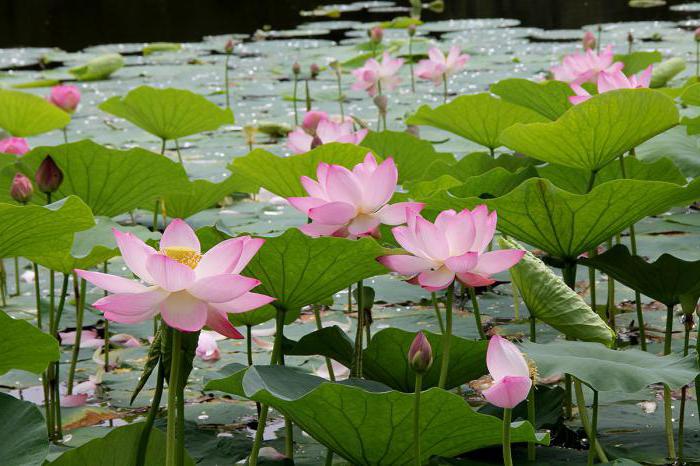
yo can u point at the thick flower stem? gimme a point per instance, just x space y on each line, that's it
57 402
477 313
416 419
308 95
152 413
257 442
294 99
532 419
174 392
226 86
668 423
436 306
249 343
79 292
37 295
507 458
446 336
106 347
319 326
594 429
684 393
569 275
444 88
533 329
357 354
583 415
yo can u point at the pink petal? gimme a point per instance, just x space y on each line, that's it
299 141
315 229
169 274
381 185
217 321
333 213
179 234
304 204
644 78
313 118
498 261
312 187
463 263
405 264
131 303
474 280
222 258
341 186
111 283
221 288
184 312
207 349
508 392
246 302
251 246
434 280
458 230
395 214
134 253
126 340
73 401
436 55
577 99
484 227
432 239
504 359
363 224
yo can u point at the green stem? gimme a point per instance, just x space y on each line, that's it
37 294
516 300
594 429
444 88
569 275
249 343
319 326
171 453
17 289
531 447
697 58
228 99
507 458
177 150
65 134
329 457
57 401
640 320
684 391
155 215
357 353
410 64
446 336
61 305
583 415
668 422
294 100
79 292
152 413
106 346
533 328
416 419
308 95
592 281
3 283
340 104
52 300
477 312
257 442
48 406
436 306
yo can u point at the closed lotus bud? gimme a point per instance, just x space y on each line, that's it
411 30
381 102
296 68
228 48
589 41
376 34
420 354
314 70
48 176
66 98
21 189
697 34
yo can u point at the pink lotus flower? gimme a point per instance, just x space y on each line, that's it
353 203
454 246
377 77
439 67
189 290
317 128
610 82
66 98
12 145
585 67
207 349
510 373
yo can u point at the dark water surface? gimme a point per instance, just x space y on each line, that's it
74 24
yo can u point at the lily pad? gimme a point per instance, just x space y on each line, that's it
638 61
97 68
549 98
23 437
26 114
25 347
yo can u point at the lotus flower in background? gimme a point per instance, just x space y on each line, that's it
510 373
188 289
317 128
612 81
453 247
352 203
439 67
376 77
12 145
66 98
207 349
585 67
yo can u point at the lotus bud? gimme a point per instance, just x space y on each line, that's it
48 176
376 34
411 30
296 69
315 142
314 70
589 41
21 189
697 35
228 48
382 103
420 354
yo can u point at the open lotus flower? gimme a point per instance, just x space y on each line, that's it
510 373
12 145
207 349
585 67
375 76
612 81
317 128
439 67
189 290
454 246
66 98
352 203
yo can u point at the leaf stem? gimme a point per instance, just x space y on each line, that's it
516 300
37 294
294 100
444 88
668 422
3 283
249 343
257 442
436 306
684 392
341 98
152 413
319 326
106 346
594 429
174 391
357 353
416 420
18 291
446 336
228 98
477 312
177 150
79 287
532 419
507 458
308 95
410 64
583 415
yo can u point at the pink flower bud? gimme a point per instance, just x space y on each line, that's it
314 70
296 68
66 98
420 354
48 176
21 189
14 145
589 41
228 48
376 34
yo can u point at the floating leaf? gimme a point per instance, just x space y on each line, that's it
24 347
638 61
156 47
26 114
666 71
592 134
23 437
479 117
548 98
550 300
367 424
605 369
97 68
168 113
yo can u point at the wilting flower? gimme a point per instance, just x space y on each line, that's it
589 41
12 145
66 98
454 246
188 289
510 373
420 354
352 203
612 81
48 176
376 76
317 128
585 67
21 189
207 349
439 67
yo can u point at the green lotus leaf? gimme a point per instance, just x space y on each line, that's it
37 231
666 279
384 359
549 98
26 114
97 68
605 369
592 134
117 448
168 113
366 423
155 47
23 437
110 181
281 175
25 347
550 300
479 117
203 194
666 71
691 95
411 154
638 61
